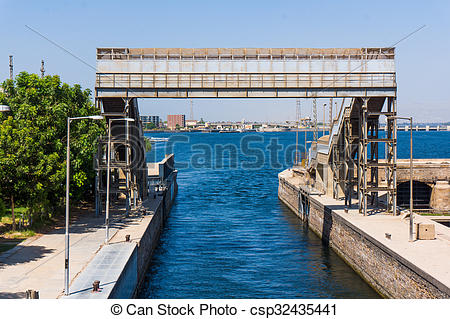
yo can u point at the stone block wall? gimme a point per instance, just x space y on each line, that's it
289 195
386 271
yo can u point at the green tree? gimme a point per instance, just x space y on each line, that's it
33 141
2 208
11 181
148 144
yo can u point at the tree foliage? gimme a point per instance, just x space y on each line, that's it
150 126
33 138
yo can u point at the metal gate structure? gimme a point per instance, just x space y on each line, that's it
366 75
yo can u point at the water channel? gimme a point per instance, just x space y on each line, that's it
228 235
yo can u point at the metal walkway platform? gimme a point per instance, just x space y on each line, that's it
245 72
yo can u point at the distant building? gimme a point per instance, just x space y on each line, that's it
176 119
191 123
147 119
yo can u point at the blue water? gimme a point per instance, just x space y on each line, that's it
228 235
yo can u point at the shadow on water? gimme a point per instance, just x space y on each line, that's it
341 281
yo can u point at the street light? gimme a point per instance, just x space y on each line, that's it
127 119
411 222
66 261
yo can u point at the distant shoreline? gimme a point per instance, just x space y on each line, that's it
232 131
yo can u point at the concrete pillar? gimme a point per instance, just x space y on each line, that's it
440 196
320 180
329 179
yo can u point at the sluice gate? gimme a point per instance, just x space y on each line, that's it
366 75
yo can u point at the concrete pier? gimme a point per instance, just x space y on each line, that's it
377 246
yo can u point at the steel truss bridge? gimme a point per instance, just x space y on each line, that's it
366 75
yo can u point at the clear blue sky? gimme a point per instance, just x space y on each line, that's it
423 60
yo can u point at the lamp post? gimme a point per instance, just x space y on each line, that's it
127 119
66 260
411 221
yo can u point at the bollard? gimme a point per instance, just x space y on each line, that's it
32 294
96 286
346 210
127 238
388 236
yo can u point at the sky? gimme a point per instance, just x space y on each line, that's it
422 59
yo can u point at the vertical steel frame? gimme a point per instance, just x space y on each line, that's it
368 156
128 166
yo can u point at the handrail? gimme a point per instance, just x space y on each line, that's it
245 80
338 124
245 53
334 131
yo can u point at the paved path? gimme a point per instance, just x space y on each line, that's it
109 263
38 263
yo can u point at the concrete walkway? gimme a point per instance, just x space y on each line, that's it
110 262
38 263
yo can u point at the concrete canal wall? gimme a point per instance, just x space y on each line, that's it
147 235
134 270
150 238
121 265
394 267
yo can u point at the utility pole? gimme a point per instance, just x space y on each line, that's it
330 114
11 66
323 124
192 110
297 119
42 69
342 108
315 119
337 111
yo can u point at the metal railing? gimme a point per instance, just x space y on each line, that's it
244 53
245 80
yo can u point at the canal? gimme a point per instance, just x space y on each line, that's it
228 235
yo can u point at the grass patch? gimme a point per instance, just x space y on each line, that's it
8 244
19 234
23 231
17 210
7 217
11 239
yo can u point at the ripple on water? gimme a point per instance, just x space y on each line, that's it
228 236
